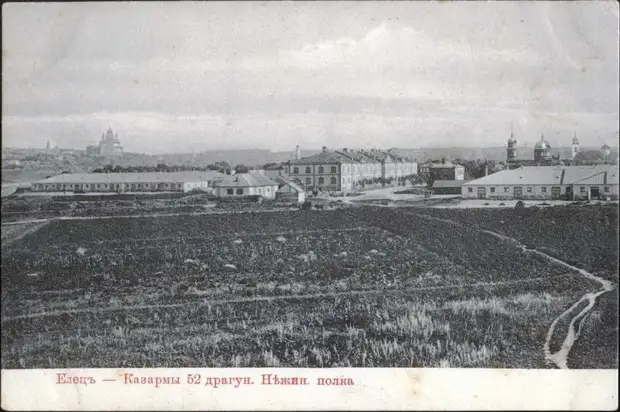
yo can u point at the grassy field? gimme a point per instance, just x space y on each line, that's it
359 287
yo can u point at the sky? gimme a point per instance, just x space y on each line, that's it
184 77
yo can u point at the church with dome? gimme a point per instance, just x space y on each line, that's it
542 153
109 145
544 157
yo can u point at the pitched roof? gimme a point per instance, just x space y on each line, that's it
249 179
547 175
146 177
326 157
287 182
601 178
449 183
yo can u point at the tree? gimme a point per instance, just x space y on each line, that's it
241 169
429 180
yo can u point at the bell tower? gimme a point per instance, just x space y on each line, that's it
574 149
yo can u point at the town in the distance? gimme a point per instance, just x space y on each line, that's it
512 172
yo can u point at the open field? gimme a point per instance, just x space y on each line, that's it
359 287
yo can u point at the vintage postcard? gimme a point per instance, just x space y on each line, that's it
310 205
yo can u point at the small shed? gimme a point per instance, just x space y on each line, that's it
290 191
448 187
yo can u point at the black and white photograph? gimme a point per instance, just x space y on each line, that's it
310 185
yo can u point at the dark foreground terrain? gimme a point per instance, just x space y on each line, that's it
364 286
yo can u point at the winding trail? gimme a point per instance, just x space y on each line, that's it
560 357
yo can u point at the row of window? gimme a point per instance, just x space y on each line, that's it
543 189
334 169
309 170
240 191
110 186
321 181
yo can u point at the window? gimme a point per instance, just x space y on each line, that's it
333 181
321 169
268 190
321 181
506 190
333 169
260 191
606 189
239 191
492 190
230 192
529 190
295 170
308 181
470 189
583 189
308 170
543 189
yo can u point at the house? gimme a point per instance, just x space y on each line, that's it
547 182
129 182
448 187
290 191
252 183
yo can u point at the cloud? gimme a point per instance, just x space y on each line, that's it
398 46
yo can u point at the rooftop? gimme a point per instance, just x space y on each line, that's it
549 175
449 183
287 182
324 157
250 179
146 177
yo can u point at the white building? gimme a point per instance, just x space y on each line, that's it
347 169
130 182
247 184
547 182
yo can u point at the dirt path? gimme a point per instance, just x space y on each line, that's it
11 238
559 358
204 302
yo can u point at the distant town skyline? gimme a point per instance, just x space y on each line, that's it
184 77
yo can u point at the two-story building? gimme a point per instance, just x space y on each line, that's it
324 171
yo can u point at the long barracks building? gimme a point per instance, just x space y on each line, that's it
547 182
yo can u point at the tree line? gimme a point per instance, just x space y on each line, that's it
222 167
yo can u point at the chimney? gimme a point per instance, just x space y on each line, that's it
486 170
324 149
344 150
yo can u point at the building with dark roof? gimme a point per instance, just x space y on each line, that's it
448 187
